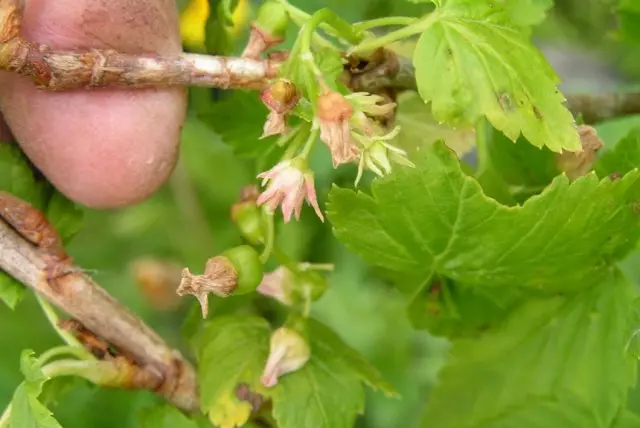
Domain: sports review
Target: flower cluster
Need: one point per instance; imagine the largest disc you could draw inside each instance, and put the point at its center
(350, 126)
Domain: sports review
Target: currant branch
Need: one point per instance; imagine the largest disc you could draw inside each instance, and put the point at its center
(31, 252)
(55, 70)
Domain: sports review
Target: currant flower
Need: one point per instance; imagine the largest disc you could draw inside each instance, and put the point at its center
(378, 155)
(289, 184)
(288, 352)
(334, 113)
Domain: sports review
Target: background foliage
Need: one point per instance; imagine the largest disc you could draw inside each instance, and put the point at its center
(188, 221)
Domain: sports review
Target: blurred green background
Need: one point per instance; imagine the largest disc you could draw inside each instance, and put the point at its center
(188, 221)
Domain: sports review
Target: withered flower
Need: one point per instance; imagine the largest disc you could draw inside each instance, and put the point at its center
(334, 113)
(280, 97)
(219, 278)
(288, 352)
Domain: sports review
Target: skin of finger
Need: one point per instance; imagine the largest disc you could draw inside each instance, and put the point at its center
(102, 148)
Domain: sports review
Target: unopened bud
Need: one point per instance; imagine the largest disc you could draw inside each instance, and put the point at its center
(288, 352)
(247, 216)
(273, 19)
(291, 288)
(236, 271)
(268, 30)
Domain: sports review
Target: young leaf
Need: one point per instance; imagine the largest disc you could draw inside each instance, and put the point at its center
(557, 361)
(232, 352)
(622, 158)
(474, 59)
(434, 219)
(26, 410)
(64, 215)
(11, 291)
(18, 178)
(165, 417)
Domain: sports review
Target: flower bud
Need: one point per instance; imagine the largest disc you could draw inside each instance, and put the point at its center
(272, 19)
(247, 216)
(291, 288)
(288, 352)
(247, 264)
(236, 271)
(268, 30)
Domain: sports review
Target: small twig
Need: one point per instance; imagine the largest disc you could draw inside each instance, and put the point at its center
(59, 70)
(30, 251)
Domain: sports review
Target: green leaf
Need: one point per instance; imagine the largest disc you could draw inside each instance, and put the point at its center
(232, 350)
(165, 416)
(26, 410)
(434, 219)
(240, 131)
(513, 172)
(555, 362)
(418, 128)
(627, 419)
(11, 291)
(622, 158)
(65, 216)
(325, 393)
(474, 59)
(448, 309)
(19, 179)
(629, 20)
(322, 336)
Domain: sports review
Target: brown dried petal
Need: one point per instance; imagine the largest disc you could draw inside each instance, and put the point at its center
(577, 164)
(219, 278)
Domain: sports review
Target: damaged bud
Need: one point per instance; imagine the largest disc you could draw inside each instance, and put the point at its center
(247, 216)
(334, 113)
(236, 271)
(288, 352)
(577, 164)
(280, 97)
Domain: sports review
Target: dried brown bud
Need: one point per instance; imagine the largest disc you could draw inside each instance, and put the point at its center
(219, 277)
(577, 164)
